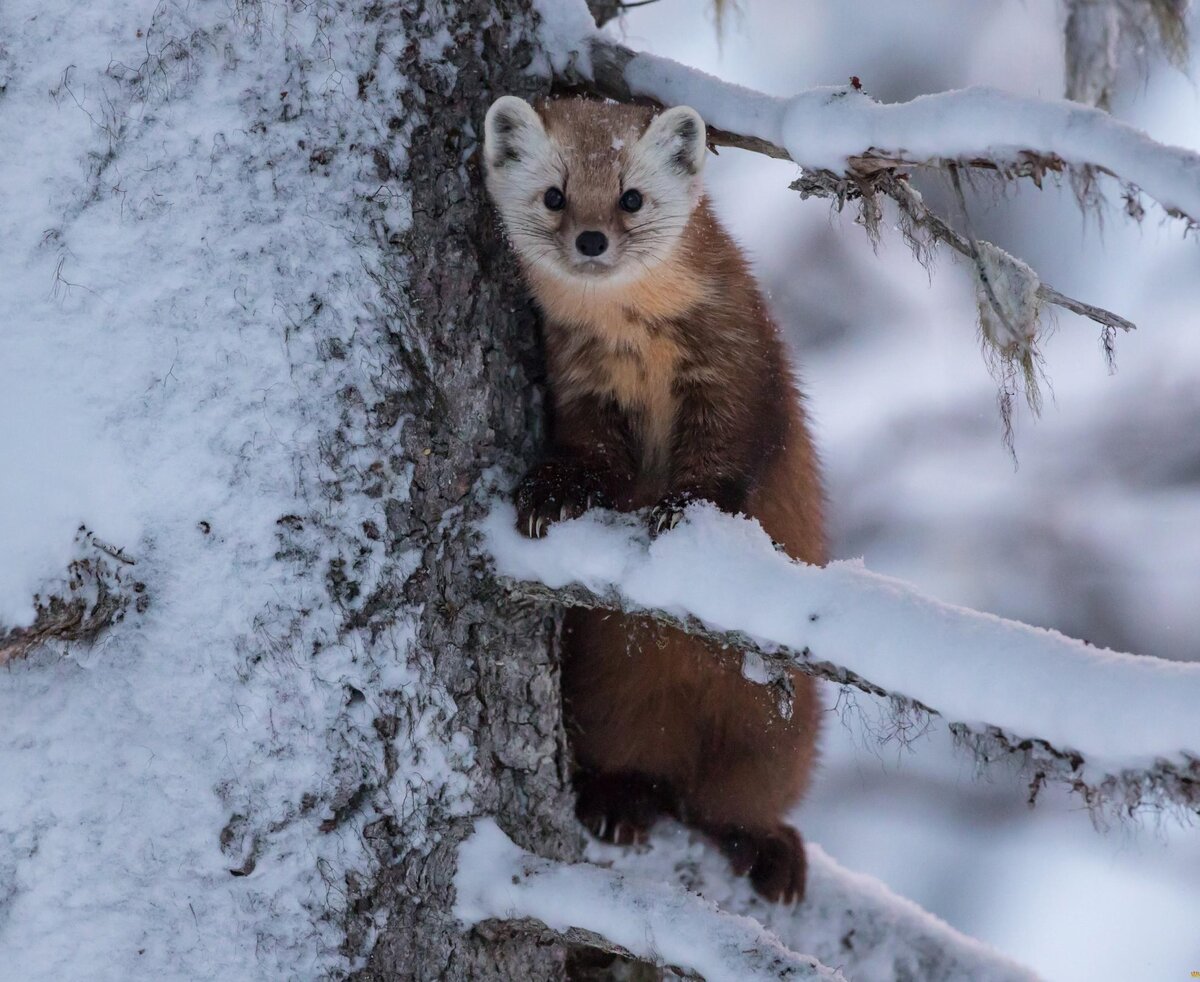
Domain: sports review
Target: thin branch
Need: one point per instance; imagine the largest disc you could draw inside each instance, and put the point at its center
(870, 172)
(1164, 784)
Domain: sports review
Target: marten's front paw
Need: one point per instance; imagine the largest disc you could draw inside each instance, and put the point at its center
(620, 808)
(669, 512)
(773, 860)
(553, 492)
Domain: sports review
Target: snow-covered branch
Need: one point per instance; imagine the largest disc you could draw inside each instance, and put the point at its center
(1119, 729)
(848, 920)
(842, 129)
(95, 594)
(654, 921)
(675, 904)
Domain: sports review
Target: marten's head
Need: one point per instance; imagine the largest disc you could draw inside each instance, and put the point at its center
(593, 191)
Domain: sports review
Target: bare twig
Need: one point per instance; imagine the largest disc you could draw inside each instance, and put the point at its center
(114, 552)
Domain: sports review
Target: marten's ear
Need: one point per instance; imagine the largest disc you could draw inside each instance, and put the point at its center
(512, 132)
(676, 138)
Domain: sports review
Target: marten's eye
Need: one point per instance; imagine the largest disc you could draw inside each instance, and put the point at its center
(554, 199)
(631, 200)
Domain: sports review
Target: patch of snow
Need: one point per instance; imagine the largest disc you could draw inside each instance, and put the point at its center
(565, 30)
(754, 669)
(1015, 287)
(60, 470)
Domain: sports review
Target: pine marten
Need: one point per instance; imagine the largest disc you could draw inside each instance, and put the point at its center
(669, 384)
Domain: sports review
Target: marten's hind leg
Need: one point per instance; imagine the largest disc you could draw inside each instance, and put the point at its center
(621, 808)
(773, 860)
(754, 767)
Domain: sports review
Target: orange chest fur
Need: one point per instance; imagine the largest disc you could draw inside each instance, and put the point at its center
(613, 343)
(637, 371)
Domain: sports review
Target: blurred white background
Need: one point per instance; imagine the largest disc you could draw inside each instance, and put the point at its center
(1096, 533)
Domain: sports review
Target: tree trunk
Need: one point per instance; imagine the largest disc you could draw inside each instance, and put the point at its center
(464, 363)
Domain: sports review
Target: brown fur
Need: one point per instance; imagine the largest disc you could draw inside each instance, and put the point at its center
(674, 387)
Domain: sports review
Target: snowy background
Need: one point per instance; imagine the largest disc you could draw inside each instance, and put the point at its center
(1097, 533)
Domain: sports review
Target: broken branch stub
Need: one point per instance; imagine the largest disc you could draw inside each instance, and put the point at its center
(98, 590)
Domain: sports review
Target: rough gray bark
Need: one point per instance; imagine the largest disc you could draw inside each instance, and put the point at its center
(464, 344)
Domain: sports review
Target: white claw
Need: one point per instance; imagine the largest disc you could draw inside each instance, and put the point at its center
(562, 513)
(541, 523)
(531, 526)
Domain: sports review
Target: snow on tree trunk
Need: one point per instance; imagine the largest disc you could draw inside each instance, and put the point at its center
(258, 276)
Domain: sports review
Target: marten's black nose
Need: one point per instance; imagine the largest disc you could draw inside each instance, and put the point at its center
(591, 243)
